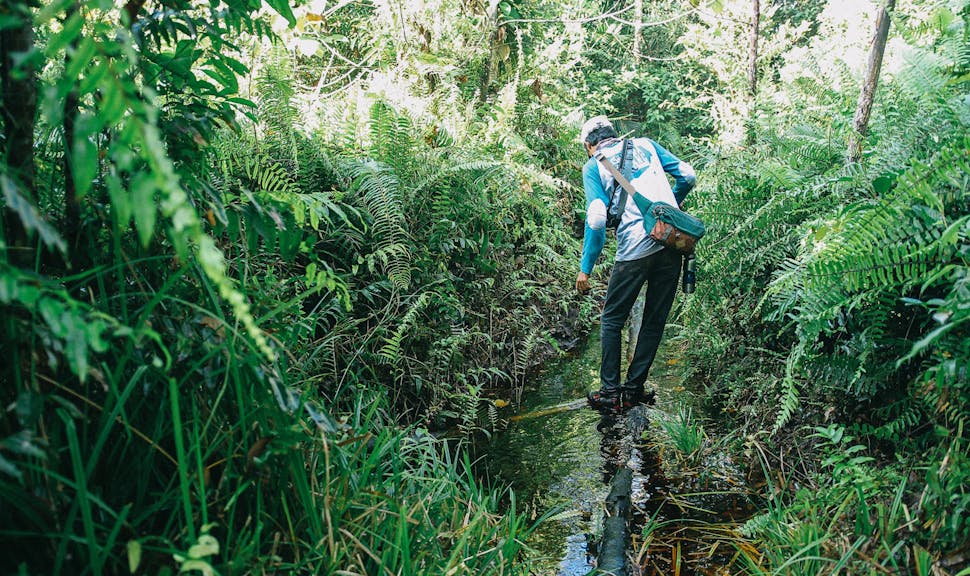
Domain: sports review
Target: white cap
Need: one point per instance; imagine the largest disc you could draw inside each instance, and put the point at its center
(592, 124)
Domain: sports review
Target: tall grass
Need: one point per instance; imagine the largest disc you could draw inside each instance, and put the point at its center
(683, 431)
(850, 518)
(216, 461)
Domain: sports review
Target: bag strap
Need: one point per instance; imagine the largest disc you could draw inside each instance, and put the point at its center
(627, 163)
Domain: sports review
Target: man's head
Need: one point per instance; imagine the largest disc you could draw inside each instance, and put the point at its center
(595, 130)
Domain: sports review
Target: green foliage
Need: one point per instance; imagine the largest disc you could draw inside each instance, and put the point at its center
(253, 256)
(392, 499)
(247, 318)
(684, 433)
(28, 215)
(830, 297)
(856, 516)
(945, 501)
(843, 289)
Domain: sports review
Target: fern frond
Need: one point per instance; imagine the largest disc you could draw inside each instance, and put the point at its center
(524, 354)
(392, 138)
(789, 400)
(390, 352)
(380, 190)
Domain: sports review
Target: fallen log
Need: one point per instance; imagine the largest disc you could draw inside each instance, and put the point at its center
(564, 407)
(612, 558)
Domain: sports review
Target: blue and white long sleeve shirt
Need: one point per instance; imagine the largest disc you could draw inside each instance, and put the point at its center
(651, 163)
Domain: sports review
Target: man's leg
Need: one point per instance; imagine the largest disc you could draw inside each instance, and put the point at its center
(626, 281)
(662, 277)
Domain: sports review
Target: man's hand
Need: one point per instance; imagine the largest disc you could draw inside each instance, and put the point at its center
(582, 283)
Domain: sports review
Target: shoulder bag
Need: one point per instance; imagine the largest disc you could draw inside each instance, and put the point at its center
(668, 225)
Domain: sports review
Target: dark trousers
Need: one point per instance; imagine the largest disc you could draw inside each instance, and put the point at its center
(661, 272)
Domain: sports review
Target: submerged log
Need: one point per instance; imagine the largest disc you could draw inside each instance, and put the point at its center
(612, 557)
(563, 407)
(620, 450)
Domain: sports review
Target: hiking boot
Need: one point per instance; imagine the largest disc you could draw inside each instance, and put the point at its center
(630, 399)
(603, 401)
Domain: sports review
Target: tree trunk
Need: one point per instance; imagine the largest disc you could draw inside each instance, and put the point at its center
(18, 112)
(753, 49)
(860, 124)
(637, 29)
(753, 67)
(496, 41)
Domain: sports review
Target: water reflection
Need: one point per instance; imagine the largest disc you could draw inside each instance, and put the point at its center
(560, 457)
(553, 465)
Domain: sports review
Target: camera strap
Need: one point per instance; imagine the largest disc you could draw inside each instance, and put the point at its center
(622, 179)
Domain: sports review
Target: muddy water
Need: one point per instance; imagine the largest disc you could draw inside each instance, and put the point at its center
(559, 457)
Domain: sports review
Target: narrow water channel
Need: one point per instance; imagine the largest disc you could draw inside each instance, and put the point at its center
(560, 457)
(552, 462)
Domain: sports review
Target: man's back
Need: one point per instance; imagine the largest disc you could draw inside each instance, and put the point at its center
(650, 161)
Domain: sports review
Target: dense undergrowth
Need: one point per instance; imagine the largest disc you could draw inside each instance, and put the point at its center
(243, 381)
(247, 263)
(830, 326)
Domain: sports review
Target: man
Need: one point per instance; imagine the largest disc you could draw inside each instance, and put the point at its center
(638, 259)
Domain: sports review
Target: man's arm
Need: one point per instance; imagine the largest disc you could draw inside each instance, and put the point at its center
(683, 173)
(595, 235)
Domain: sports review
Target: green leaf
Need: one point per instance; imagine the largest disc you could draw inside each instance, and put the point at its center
(206, 545)
(113, 102)
(143, 204)
(8, 467)
(243, 101)
(22, 443)
(882, 184)
(314, 219)
(200, 565)
(93, 332)
(222, 74)
(29, 216)
(75, 343)
(299, 212)
(134, 555)
(79, 61)
(92, 78)
(942, 18)
(952, 234)
(84, 162)
(238, 67)
(926, 341)
(69, 33)
(10, 290)
(9, 22)
(290, 245)
(282, 7)
(51, 10)
(28, 408)
(120, 200)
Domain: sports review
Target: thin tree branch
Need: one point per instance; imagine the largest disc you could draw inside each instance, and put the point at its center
(566, 20)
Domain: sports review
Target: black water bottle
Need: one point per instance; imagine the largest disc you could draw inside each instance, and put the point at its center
(690, 275)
